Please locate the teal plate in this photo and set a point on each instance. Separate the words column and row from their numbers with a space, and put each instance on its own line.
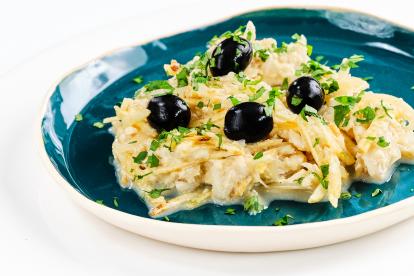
column 82, row 155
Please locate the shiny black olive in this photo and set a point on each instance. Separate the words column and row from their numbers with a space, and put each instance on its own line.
column 231, row 55
column 305, row 91
column 168, row 112
column 247, row 121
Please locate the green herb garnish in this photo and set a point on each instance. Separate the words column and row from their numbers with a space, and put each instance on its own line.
column 376, row 192
column 257, row 95
column 365, row 115
column 98, row 124
column 346, row 196
column 158, row 84
column 138, row 79
column 116, row 204
column 323, row 179
column 230, row 211
column 258, row 155
column 217, row 106
column 382, row 142
column 295, row 101
column 140, row 157
column 252, row 205
column 349, row 63
column 317, row 141
column 182, row 77
column 220, row 139
column 156, row 193
column 153, row 161
column 138, row 177
column 310, row 111
column 386, row 109
column 100, row 201
column 283, row 221
column 330, row 86
column 78, row 117
column 234, row 100
column 200, row 104
column 263, row 54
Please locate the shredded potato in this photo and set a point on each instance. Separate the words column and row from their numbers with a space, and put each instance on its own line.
column 309, row 158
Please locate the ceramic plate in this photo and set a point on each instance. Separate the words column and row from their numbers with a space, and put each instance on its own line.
column 79, row 154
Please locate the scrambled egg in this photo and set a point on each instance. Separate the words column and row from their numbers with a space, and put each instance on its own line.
column 308, row 157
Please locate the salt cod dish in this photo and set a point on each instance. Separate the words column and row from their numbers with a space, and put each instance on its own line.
column 250, row 121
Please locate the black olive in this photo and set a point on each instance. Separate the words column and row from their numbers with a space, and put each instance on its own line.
column 247, row 121
column 304, row 91
column 168, row 112
column 231, row 55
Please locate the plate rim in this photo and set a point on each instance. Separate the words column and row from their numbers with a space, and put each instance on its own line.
column 103, row 211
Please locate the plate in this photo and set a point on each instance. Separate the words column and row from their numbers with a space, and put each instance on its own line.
column 79, row 155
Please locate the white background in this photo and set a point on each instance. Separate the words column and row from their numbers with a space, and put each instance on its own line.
column 43, row 233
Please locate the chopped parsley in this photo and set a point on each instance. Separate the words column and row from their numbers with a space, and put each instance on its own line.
column 285, row 84
column 116, row 204
column 314, row 69
column 138, row 79
column 263, row 54
column 153, row 161
column 259, row 93
column 299, row 180
column 296, row 36
column 200, row 104
column 349, row 63
column 310, row 111
column 386, row 109
column 371, row 138
column 342, row 111
column 281, row 49
column 166, row 218
column 270, row 102
column 155, row 144
column 323, row 179
column 376, row 192
column 217, row 106
column 346, row 196
column 382, row 142
column 98, row 124
column 220, row 139
column 78, row 117
column 309, row 50
column 182, row 77
column 258, row 155
column 156, row 193
column 139, row 177
column 252, row 205
column 234, row 100
column 295, row 101
column 206, row 127
column 365, row 115
column 317, row 141
column 357, row 195
column 368, row 78
column 100, row 201
column 283, row 220
column 140, row 157
column 158, row 84
column 249, row 35
column 230, row 211
column 330, row 86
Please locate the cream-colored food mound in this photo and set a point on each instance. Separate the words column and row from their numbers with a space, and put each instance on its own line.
column 309, row 157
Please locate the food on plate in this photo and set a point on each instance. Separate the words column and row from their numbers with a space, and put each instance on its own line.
column 250, row 121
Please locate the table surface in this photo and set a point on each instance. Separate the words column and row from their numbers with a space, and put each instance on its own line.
column 44, row 232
